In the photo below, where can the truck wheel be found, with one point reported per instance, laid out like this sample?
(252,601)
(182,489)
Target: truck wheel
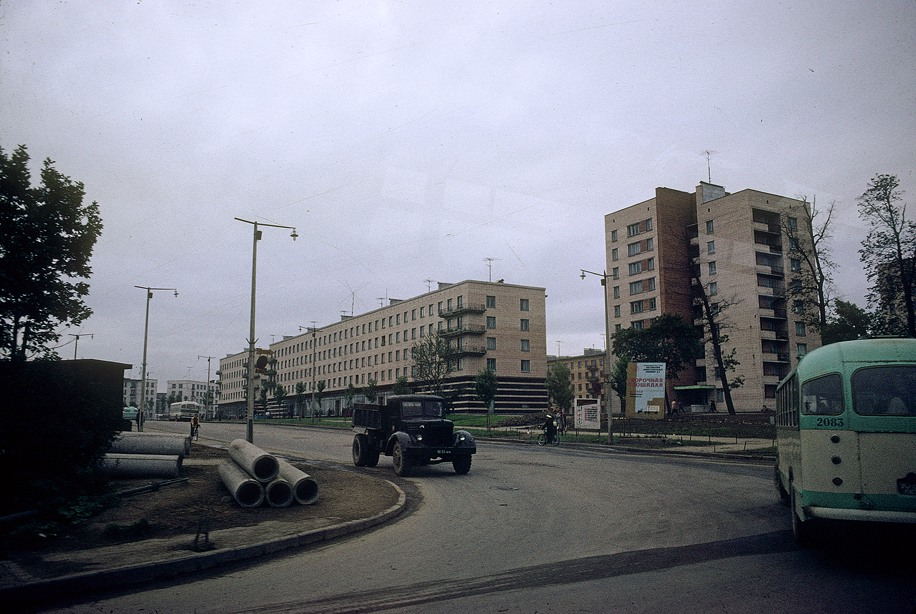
(401,462)
(360,450)
(372,458)
(462,464)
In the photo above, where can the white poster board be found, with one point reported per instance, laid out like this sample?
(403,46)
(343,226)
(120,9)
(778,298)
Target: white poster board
(586,414)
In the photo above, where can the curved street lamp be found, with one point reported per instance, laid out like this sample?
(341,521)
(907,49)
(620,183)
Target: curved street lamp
(606,388)
(251,339)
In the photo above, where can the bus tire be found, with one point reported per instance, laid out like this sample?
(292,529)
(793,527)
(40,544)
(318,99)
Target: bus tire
(802,530)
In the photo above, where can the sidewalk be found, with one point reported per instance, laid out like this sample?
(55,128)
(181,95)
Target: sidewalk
(144,560)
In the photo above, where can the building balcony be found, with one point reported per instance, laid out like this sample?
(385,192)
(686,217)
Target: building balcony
(461,309)
(469,329)
(467,350)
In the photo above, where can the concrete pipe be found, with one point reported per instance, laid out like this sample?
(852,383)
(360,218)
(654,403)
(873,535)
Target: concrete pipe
(278,493)
(150,443)
(259,464)
(142,465)
(246,491)
(305,487)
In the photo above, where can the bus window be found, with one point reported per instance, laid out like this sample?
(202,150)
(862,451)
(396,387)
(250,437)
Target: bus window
(884,391)
(823,396)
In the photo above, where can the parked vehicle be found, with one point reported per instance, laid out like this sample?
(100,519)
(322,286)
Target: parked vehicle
(410,429)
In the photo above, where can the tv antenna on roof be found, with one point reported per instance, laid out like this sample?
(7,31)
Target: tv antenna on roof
(489,262)
(708,153)
(429,284)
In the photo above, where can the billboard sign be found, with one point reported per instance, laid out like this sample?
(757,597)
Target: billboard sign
(646,390)
(585,414)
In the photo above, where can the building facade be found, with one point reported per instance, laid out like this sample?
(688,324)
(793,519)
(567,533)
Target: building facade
(585,371)
(193,390)
(132,392)
(488,325)
(664,253)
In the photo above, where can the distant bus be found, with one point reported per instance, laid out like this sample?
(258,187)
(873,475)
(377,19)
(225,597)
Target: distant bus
(184,410)
(846,431)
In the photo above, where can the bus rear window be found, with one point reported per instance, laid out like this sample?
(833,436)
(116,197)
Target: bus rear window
(884,391)
(823,396)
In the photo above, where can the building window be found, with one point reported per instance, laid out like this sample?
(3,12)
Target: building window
(793,224)
(800,329)
(526,345)
(801,349)
(491,364)
(709,227)
(491,302)
(616,291)
(526,366)
(614,235)
(648,224)
(616,311)
(633,230)
(636,307)
(615,273)
(795,263)
(634,248)
(638,325)
(713,288)
(614,254)
(491,322)
(635,268)
(523,304)
(524,324)
(712,267)
(635,287)
(710,247)
(491,343)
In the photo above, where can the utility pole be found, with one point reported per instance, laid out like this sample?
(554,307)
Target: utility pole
(209,392)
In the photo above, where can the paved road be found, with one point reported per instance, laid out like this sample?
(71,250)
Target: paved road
(551,530)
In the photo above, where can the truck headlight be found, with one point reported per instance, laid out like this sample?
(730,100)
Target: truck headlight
(419,436)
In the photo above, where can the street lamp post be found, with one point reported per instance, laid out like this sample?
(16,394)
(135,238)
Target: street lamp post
(606,388)
(208,412)
(251,339)
(149,295)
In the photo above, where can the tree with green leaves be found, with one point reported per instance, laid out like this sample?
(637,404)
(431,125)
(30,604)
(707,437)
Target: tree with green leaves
(559,387)
(280,395)
(300,397)
(670,340)
(45,247)
(889,255)
(371,390)
(485,386)
(432,358)
(401,386)
(848,322)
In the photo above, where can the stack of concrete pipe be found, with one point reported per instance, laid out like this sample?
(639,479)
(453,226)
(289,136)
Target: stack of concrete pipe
(146,455)
(254,476)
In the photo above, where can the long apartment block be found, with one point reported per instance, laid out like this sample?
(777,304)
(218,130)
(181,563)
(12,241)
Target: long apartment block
(737,246)
(491,325)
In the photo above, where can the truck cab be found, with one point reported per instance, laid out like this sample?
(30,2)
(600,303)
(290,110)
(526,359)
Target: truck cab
(411,429)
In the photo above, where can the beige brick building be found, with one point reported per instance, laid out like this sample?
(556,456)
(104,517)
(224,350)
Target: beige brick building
(584,369)
(740,243)
(488,324)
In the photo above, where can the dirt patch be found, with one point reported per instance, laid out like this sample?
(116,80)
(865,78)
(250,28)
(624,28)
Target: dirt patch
(202,503)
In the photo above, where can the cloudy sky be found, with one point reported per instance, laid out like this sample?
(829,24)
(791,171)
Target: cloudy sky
(413,141)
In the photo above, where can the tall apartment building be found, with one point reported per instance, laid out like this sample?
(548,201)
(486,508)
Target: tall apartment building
(737,246)
(132,392)
(488,325)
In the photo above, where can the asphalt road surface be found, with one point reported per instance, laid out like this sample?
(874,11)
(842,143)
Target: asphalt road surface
(533,529)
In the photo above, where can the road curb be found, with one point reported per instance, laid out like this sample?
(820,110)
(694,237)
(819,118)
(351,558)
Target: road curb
(31,594)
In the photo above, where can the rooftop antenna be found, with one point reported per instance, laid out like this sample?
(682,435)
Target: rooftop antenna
(708,153)
(489,262)
(429,284)
(77,340)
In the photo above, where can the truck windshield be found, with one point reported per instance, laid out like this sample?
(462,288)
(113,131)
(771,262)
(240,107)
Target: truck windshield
(421,409)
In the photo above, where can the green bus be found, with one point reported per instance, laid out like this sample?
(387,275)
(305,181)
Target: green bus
(846,434)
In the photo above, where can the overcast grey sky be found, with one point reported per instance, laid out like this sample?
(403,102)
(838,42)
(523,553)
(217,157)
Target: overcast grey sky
(410,141)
